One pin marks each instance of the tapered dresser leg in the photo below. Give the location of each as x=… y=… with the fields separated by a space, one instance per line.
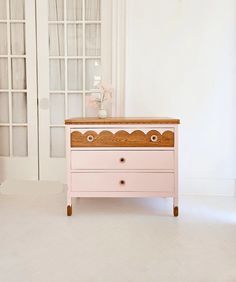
x=69 y=210
x=176 y=206
x=176 y=211
x=69 y=204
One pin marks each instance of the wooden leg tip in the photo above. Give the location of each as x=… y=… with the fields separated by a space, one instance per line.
x=176 y=211
x=69 y=210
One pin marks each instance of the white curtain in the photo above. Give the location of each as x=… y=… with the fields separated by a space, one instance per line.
x=17 y=70
x=75 y=10
x=55 y=10
x=92 y=10
x=3 y=38
x=20 y=143
x=57 y=74
x=3 y=47
x=75 y=39
x=4 y=107
x=17 y=9
x=57 y=108
x=17 y=39
x=19 y=108
x=17 y=46
x=5 y=138
x=18 y=73
x=3 y=73
x=93 y=40
x=3 y=9
x=56 y=44
x=56 y=40
x=75 y=74
x=74 y=44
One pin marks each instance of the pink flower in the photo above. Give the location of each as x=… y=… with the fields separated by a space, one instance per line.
x=106 y=91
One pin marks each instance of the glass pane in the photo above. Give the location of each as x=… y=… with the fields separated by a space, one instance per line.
x=20 y=141
x=57 y=143
x=4 y=73
x=75 y=39
x=17 y=9
x=74 y=10
x=56 y=40
x=5 y=139
x=3 y=9
x=3 y=39
x=4 y=108
x=57 y=74
x=18 y=74
x=93 y=39
x=57 y=108
x=75 y=105
x=17 y=39
x=92 y=10
x=75 y=74
x=19 y=108
x=93 y=74
x=91 y=106
x=55 y=10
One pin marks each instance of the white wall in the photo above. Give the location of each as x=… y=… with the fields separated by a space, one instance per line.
x=181 y=62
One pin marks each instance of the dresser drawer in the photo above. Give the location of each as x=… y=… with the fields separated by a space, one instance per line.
x=122 y=138
x=120 y=182
x=158 y=160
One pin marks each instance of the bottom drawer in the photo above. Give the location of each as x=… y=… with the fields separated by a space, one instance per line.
x=115 y=182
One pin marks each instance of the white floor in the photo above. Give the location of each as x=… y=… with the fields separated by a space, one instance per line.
x=114 y=240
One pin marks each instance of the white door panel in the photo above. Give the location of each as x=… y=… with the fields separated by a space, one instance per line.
x=74 y=55
x=74 y=52
x=18 y=91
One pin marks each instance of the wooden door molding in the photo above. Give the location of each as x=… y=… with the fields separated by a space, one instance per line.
x=118 y=55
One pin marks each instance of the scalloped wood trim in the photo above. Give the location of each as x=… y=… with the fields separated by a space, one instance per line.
x=122 y=139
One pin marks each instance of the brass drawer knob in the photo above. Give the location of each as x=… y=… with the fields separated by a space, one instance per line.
x=154 y=138
x=122 y=182
x=90 y=138
x=122 y=160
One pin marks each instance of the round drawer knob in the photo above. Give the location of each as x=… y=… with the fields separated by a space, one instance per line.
x=90 y=138
x=122 y=182
x=154 y=138
x=122 y=160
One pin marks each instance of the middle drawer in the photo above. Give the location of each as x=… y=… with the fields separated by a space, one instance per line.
x=106 y=160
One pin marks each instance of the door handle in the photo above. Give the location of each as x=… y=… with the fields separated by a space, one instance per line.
x=44 y=103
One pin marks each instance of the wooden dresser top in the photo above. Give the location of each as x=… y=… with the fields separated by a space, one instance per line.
x=124 y=120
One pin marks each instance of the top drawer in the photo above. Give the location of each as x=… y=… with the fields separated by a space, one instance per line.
x=122 y=138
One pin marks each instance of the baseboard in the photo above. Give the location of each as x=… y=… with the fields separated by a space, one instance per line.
x=208 y=187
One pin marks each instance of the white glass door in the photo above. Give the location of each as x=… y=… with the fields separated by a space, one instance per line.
x=18 y=91
x=74 y=56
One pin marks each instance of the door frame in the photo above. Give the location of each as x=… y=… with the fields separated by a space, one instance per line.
x=118 y=56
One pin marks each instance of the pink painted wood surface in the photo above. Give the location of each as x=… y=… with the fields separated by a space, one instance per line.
x=110 y=194
x=115 y=181
x=107 y=160
x=75 y=182
x=176 y=190
x=68 y=173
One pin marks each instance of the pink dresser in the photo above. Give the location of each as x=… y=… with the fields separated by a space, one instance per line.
x=122 y=157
